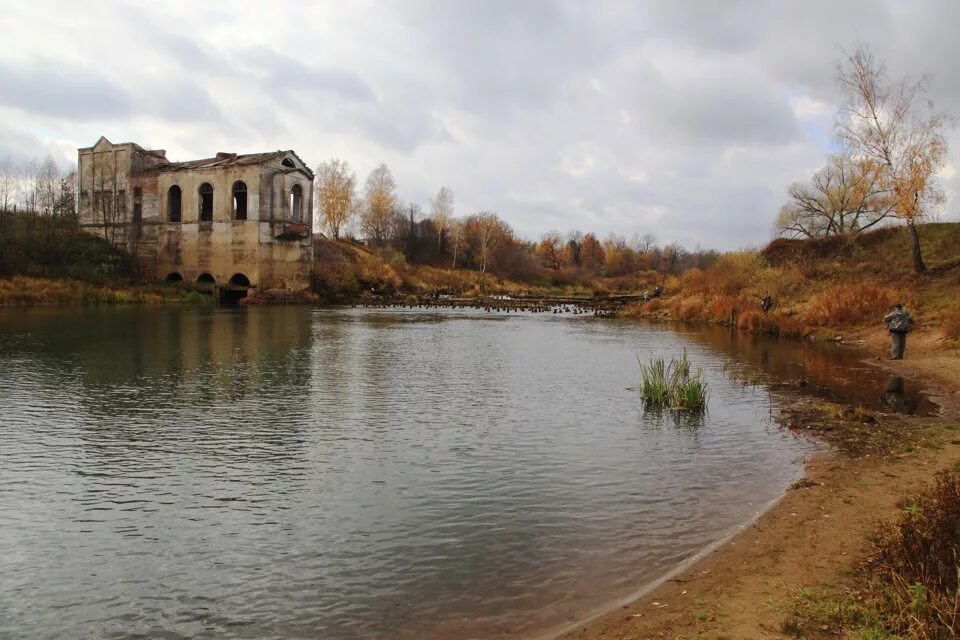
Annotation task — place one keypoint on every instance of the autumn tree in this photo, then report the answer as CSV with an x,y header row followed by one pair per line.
x,y
550,248
572,250
890,125
591,253
335,194
379,205
619,258
456,239
441,211
844,196
484,231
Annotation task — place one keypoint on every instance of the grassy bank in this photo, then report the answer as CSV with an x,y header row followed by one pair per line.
x,y
27,291
821,287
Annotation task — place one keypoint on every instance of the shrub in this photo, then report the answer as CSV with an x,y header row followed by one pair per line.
x,y
846,304
915,566
686,308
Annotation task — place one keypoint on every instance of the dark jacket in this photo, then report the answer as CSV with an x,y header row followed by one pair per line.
x,y
898,321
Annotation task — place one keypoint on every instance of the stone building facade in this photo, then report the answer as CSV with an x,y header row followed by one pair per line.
x,y
233,221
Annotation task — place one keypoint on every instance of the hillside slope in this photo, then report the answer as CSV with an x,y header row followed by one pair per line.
x,y
820,287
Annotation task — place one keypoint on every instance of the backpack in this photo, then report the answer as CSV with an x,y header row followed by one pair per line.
x,y
900,323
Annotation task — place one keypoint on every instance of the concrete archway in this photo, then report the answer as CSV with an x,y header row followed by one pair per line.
x,y
240,280
235,290
206,282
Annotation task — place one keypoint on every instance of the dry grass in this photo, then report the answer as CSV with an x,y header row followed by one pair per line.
x,y
850,305
26,291
950,323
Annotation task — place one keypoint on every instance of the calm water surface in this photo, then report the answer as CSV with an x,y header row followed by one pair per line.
x,y
342,474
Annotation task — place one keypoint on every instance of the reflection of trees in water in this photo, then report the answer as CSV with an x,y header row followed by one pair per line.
x,y
146,374
832,372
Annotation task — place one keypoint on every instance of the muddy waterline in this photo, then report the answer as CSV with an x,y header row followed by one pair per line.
x,y
341,473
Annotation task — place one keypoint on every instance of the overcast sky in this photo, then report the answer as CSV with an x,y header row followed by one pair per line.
x,y
684,119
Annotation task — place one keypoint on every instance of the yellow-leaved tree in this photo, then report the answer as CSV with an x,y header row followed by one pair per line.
x,y
335,194
891,125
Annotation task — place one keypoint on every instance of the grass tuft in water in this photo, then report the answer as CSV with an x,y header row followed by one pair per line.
x,y
671,385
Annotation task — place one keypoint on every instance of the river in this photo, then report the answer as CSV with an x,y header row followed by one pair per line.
x,y
294,472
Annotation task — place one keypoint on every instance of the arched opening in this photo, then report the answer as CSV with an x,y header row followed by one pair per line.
x,y
206,281
239,280
206,202
296,203
287,162
235,290
173,203
173,278
239,200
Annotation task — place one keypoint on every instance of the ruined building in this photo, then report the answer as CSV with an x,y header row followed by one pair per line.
x,y
230,222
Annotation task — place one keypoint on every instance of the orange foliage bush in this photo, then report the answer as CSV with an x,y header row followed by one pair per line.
x,y
686,308
756,321
722,308
847,304
951,324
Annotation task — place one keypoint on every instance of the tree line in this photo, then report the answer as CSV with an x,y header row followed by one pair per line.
x,y
480,241
39,234
38,185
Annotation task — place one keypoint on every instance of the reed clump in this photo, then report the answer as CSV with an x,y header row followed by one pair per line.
x,y
672,385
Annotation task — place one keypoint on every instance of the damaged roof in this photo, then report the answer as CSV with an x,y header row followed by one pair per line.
x,y
229,160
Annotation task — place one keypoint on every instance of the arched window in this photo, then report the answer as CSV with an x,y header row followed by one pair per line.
x,y
239,200
296,203
173,203
206,202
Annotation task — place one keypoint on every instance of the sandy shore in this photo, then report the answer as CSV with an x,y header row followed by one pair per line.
x,y
738,591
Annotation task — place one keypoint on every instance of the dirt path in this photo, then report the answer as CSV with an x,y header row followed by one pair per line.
x,y
739,591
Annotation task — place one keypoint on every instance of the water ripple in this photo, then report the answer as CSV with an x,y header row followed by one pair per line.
x,y
280,473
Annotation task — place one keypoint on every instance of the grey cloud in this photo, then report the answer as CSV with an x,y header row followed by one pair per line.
x,y
675,118
496,57
725,112
62,90
180,100
279,72
399,128
168,43
74,93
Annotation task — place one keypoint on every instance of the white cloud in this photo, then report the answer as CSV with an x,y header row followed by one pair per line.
x,y
806,108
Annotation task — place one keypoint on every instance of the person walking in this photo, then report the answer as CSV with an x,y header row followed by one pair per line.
x,y
899,323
